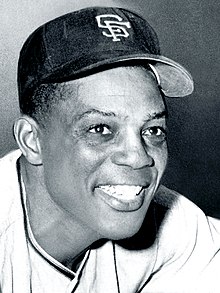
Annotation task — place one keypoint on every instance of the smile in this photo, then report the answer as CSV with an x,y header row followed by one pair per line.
x,y
126,192
122,197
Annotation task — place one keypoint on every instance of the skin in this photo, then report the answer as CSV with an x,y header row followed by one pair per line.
x,y
109,131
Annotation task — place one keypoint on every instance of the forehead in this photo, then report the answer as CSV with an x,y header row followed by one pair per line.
x,y
122,90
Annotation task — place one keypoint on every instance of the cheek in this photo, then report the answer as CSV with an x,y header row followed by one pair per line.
x,y
71,166
160,156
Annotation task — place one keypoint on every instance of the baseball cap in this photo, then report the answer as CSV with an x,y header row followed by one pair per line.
x,y
92,40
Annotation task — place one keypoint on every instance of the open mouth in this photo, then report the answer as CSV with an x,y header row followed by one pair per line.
x,y
123,192
122,197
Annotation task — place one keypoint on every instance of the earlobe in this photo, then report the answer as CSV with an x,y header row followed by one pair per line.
x,y
26,132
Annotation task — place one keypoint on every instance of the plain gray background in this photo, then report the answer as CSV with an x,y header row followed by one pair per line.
x,y
189,33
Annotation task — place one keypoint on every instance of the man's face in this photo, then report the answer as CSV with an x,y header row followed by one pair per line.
x,y
105,151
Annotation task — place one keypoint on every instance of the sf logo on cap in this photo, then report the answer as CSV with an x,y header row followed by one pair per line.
x,y
115,25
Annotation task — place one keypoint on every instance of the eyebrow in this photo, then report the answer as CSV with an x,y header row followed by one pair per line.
x,y
92,112
157,115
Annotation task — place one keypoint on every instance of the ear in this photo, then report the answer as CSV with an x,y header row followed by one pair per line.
x,y
27,133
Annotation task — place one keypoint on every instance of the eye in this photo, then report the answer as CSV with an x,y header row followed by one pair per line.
x,y
155,132
100,129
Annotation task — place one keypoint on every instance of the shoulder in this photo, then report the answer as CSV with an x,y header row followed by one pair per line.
x,y
178,212
188,246
9,190
8,161
183,228
168,197
175,204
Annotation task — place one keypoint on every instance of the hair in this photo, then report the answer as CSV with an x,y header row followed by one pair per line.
x,y
43,101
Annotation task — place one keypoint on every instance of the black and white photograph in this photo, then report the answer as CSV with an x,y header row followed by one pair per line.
x,y
109,149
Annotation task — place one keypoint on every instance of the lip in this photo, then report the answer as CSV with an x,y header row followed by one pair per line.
x,y
122,205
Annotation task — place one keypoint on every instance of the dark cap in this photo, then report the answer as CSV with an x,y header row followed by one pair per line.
x,y
91,40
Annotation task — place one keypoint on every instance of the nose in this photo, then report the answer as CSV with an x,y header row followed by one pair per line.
x,y
132,152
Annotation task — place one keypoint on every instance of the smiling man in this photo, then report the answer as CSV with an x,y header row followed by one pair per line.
x,y
82,209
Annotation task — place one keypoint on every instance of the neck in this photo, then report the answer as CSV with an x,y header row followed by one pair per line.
x,y
56,231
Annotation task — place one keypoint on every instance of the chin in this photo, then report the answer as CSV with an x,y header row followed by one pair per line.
x,y
120,225
122,231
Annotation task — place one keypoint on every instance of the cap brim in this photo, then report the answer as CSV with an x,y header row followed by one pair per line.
x,y
173,78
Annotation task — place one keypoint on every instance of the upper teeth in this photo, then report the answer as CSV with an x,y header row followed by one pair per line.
x,y
127,191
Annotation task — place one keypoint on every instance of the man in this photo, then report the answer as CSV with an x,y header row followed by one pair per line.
x,y
82,209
